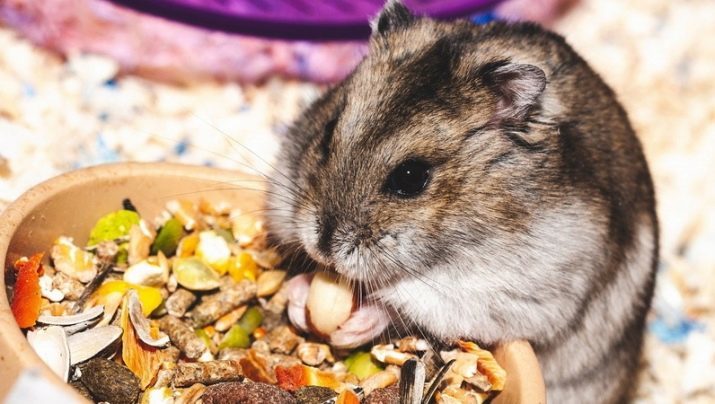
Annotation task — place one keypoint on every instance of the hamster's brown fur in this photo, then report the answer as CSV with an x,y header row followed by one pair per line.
x,y
538,221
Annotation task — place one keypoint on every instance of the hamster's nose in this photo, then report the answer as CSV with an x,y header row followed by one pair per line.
x,y
362,233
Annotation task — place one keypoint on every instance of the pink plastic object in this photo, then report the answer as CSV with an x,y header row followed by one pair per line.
x,y
296,19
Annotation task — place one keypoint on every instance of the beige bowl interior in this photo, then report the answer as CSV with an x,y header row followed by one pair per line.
x,y
70,204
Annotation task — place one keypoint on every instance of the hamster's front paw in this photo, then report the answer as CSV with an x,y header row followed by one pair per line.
x,y
298,289
363,325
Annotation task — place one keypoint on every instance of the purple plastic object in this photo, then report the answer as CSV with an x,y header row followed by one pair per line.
x,y
296,19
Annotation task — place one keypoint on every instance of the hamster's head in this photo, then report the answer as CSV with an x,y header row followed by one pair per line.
x,y
438,142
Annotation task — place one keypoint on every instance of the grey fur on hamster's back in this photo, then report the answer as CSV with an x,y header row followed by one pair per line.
x,y
537,222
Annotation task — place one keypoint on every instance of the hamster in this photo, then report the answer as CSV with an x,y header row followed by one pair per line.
x,y
483,183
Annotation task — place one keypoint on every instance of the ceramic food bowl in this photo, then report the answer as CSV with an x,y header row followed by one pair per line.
x,y
71,203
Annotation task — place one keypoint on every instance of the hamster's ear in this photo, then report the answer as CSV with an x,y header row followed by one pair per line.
x,y
518,87
394,15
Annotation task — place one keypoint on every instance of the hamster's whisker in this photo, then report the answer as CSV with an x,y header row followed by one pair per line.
x,y
233,142
402,318
231,187
420,277
295,249
266,178
215,153
414,325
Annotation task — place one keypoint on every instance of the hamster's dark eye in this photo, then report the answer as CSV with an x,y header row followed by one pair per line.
x,y
409,178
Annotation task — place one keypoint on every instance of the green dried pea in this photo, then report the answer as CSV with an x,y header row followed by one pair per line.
x,y
251,319
362,365
113,226
167,240
236,337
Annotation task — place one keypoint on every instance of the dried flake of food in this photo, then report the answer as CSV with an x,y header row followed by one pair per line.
x,y
107,250
193,274
185,211
187,246
455,395
386,353
229,319
341,372
259,332
189,373
141,237
109,381
269,282
70,287
168,238
110,302
54,309
165,376
292,378
266,257
256,367
282,360
261,346
142,359
214,306
387,395
153,271
273,320
242,266
206,338
412,344
183,337
246,393
72,260
179,302
113,226
157,395
479,381
235,354
347,397
27,297
327,287
278,302
48,290
214,208
192,395
283,340
486,364
383,378
245,227
314,354
214,251
150,297
314,394
464,366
